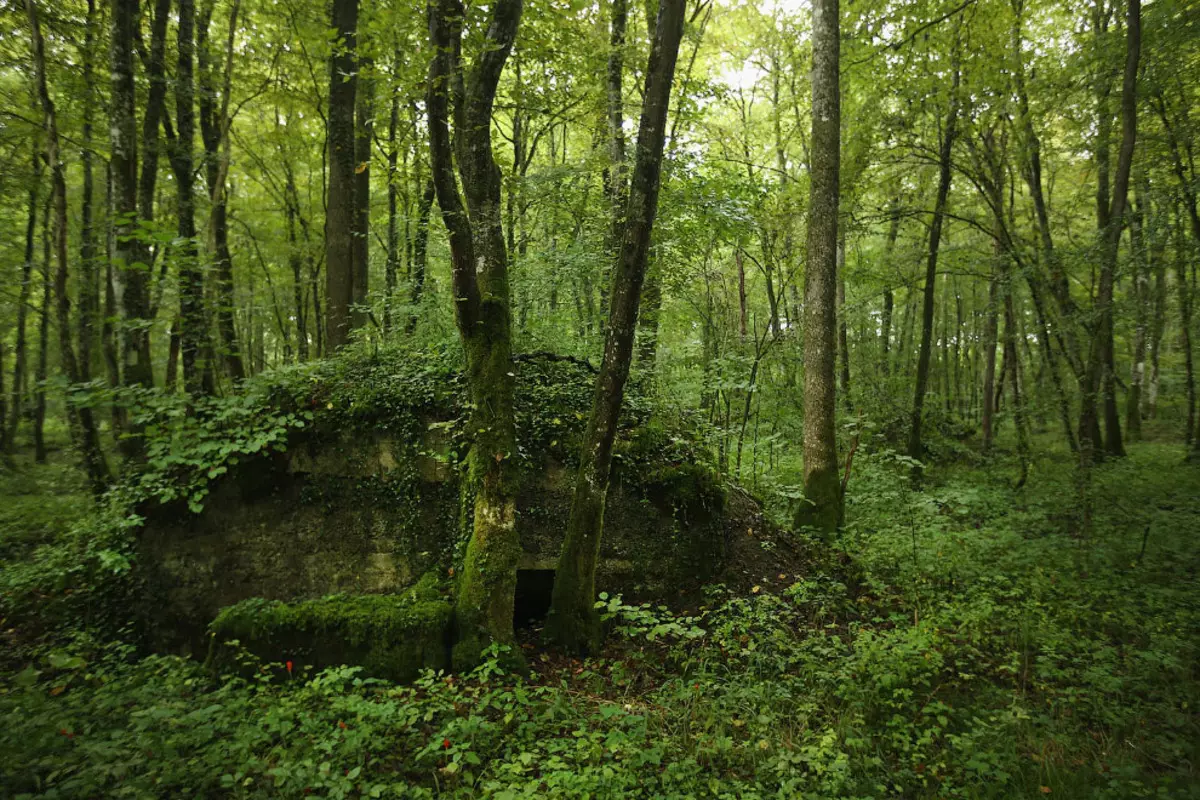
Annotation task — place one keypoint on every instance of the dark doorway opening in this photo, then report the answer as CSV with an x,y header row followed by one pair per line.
x,y
532,603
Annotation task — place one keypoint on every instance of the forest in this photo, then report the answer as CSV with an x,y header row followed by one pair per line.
x,y
595,399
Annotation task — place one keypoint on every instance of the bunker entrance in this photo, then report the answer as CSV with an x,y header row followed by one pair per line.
x,y
532,603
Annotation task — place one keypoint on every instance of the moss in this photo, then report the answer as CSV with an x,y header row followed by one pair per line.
x,y
392,636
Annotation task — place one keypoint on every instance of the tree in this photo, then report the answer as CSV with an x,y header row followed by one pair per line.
x,y
823,504
1101,343
575,622
916,448
83,424
130,253
197,378
340,216
479,276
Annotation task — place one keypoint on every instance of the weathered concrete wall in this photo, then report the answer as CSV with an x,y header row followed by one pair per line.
x,y
369,513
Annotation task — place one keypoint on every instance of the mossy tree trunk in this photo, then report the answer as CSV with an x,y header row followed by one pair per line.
x,y
574,621
822,508
479,272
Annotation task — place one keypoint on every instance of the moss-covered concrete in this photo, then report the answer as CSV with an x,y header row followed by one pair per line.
x,y
367,498
391,636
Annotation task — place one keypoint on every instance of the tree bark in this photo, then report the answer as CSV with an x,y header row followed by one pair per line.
x,y
20,380
823,505
843,335
340,219
479,276
364,130
1185,318
89,291
885,322
915,446
420,251
85,435
1101,344
214,131
131,255
192,327
392,265
574,622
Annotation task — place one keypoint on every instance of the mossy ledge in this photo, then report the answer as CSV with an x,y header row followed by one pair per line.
x,y
392,636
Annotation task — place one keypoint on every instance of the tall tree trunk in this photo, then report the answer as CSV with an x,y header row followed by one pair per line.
x,y
1012,362
296,262
885,322
364,129
19,378
479,273
574,621
214,132
648,315
132,257
85,435
823,506
420,250
1101,344
340,219
843,336
192,328
915,446
41,370
990,332
89,287
108,330
392,266
615,116
1185,320
1141,300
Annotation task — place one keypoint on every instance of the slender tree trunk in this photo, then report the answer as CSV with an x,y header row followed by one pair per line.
x,y
89,288
420,249
296,262
19,378
392,266
364,130
648,316
82,422
1141,300
340,220
108,331
885,322
41,370
1101,345
191,325
1012,362
479,274
574,621
843,335
214,132
823,505
742,310
915,445
1185,319
990,327
132,257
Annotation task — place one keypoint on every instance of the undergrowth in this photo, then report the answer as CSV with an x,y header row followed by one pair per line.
x,y
987,654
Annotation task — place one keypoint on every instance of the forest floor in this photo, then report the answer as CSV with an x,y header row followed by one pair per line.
x,y
983,651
